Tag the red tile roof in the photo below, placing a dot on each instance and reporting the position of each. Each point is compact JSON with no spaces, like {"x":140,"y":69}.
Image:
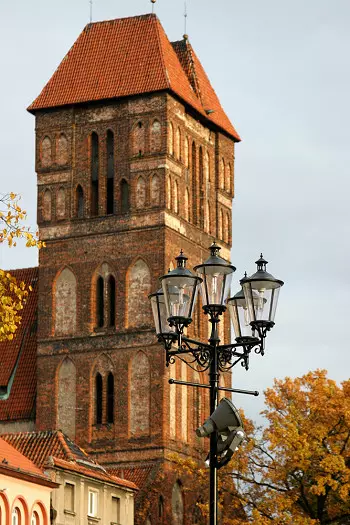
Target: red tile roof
{"x":13,"y":459}
{"x":18,"y":357}
{"x":138,"y":475}
{"x":124,"y":57}
{"x":53,"y":448}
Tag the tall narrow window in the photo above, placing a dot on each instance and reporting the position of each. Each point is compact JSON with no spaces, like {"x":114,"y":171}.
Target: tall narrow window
{"x":178,"y":144}
{"x":156,"y":136}
{"x":171,"y":139}
{"x":194,"y":184}
{"x":176,"y":197}
{"x":92,"y":503}
{"x":110,"y":172}
{"x":111,"y":301}
{"x":79,"y":202}
{"x":115,"y":509}
{"x":201,"y":190}
{"x":94,"y":173}
{"x":169,"y":203}
{"x":69,"y":490}
{"x":110,"y":398}
{"x":47,"y":205}
{"x":46,"y":152}
{"x":187,"y":205}
{"x":186,"y":153}
{"x":125,"y":197}
{"x":98,"y":399}
{"x":99,"y":302}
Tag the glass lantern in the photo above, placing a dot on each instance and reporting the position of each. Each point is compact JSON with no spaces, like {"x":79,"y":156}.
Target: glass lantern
{"x":240,"y":318}
{"x":216,"y":276}
{"x":160,"y":314}
{"x":180,"y":288}
{"x":261,"y":292}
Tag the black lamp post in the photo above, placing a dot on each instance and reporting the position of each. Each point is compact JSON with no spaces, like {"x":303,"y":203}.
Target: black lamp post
{"x":252,"y":311}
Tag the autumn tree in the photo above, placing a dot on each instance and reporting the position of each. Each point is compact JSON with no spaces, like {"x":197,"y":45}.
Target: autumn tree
{"x":297,"y":470}
{"x":12,"y":293}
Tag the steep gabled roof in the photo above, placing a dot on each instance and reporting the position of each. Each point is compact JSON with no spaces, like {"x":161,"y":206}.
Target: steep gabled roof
{"x":18,"y":357}
{"x":124,"y":57}
{"x":53,"y":448}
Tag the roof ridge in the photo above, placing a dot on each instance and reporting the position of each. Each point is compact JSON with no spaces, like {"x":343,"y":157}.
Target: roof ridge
{"x":66,"y":448}
{"x":145,"y":15}
{"x":161,"y":51}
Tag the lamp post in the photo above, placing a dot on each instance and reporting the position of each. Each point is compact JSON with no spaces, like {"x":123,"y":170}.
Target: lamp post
{"x":252,"y":311}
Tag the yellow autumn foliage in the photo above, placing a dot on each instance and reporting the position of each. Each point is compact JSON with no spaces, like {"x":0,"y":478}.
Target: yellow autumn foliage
{"x":13,"y":294}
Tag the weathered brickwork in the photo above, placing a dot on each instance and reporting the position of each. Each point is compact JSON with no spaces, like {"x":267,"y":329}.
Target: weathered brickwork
{"x":171,"y":187}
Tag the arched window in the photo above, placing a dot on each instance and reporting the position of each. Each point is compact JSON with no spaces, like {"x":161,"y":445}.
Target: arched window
{"x":140,"y":193}
{"x":66,"y":404}
{"x":169,"y":193}
{"x":187,"y":205}
{"x":110,"y":172}
{"x":35,"y":519}
{"x":79,"y":202}
{"x":227,"y":228}
{"x":229,"y":180}
{"x":156,"y":136}
{"x":65,"y":299}
{"x":207,"y":217}
{"x":160,"y":507}
{"x":177,"y":505}
{"x":139,"y":399}
{"x":171,"y":139}
{"x":194,"y":183}
{"x":46,"y":152}
{"x":98,"y":398}
{"x":222,"y":175}
{"x":99,"y":302}
{"x":155,"y":190}
{"x":125,"y":197}
{"x":61,"y":204}
{"x":207,"y":173}
{"x":187,"y":160}
{"x":201,"y":189}
{"x":62,"y":150}
{"x":138,"y":139}
{"x":47,"y":205}
{"x":221,"y":225}
{"x":178,"y":144}
{"x":94,"y":173}
{"x":16,"y":517}
{"x":138,"y":289}
{"x":176,"y":197}
{"x":111,"y":300}
{"x":110,"y":398}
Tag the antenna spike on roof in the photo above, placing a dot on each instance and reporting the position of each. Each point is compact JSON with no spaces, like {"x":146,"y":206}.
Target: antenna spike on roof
{"x":90,"y":1}
{"x":153,"y":2}
{"x":185,"y":17}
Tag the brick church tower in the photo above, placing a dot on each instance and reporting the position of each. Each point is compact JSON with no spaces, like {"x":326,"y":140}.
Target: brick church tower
{"x":135,"y":160}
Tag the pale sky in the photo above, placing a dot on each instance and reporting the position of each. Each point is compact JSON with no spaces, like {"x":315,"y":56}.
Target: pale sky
{"x":281,"y":71}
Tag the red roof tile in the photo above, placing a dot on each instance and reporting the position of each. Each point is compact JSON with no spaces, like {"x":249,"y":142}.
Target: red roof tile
{"x":124,"y":57}
{"x":56,"y":449}
{"x":13,"y":459}
{"x":138,"y":475}
{"x":18,"y":357}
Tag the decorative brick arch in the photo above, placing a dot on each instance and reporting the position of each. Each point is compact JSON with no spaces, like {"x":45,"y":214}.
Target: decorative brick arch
{"x":61,"y":204}
{"x":66,"y":396}
{"x":138,"y":287}
{"x":177,"y":504}
{"x":65,"y":302}
{"x":46,"y":152}
{"x":171,"y":139}
{"x":156,"y":136}
{"x":103,"y":296}
{"x":40,"y":509}
{"x":62,"y":150}
{"x":155,"y":190}
{"x":139,"y":395}
{"x":169,"y":192}
{"x":4,"y":509}
{"x":102,"y":402}
{"x":138,"y":136}
{"x":140,"y":197}
{"x":46,"y":209}
{"x":21,"y":504}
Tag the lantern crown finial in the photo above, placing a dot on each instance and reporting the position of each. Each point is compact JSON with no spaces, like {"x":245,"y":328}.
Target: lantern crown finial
{"x":181,"y":259}
{"x":261,"y":264}
{"x":214,"y":249}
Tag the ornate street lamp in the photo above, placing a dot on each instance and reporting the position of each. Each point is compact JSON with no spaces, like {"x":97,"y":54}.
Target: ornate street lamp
{"x":252,"y":311}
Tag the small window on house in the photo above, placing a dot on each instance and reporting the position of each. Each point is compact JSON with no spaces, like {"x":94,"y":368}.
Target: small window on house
{"x":125,"y":198}
{"x":16,"y":516}
{"x":111,"y":301}
{"x":94,"y":173}
{"x":99,"y":302}
{"x":110,"y":172}
{"x":69,"y":490}
{"x":98,"y":399}
{"x":92,"y":503}
{"x":110,"y":398}
{"x":115,"y":509}
{"x":79,"y":202}
{"x":160,"y":507}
